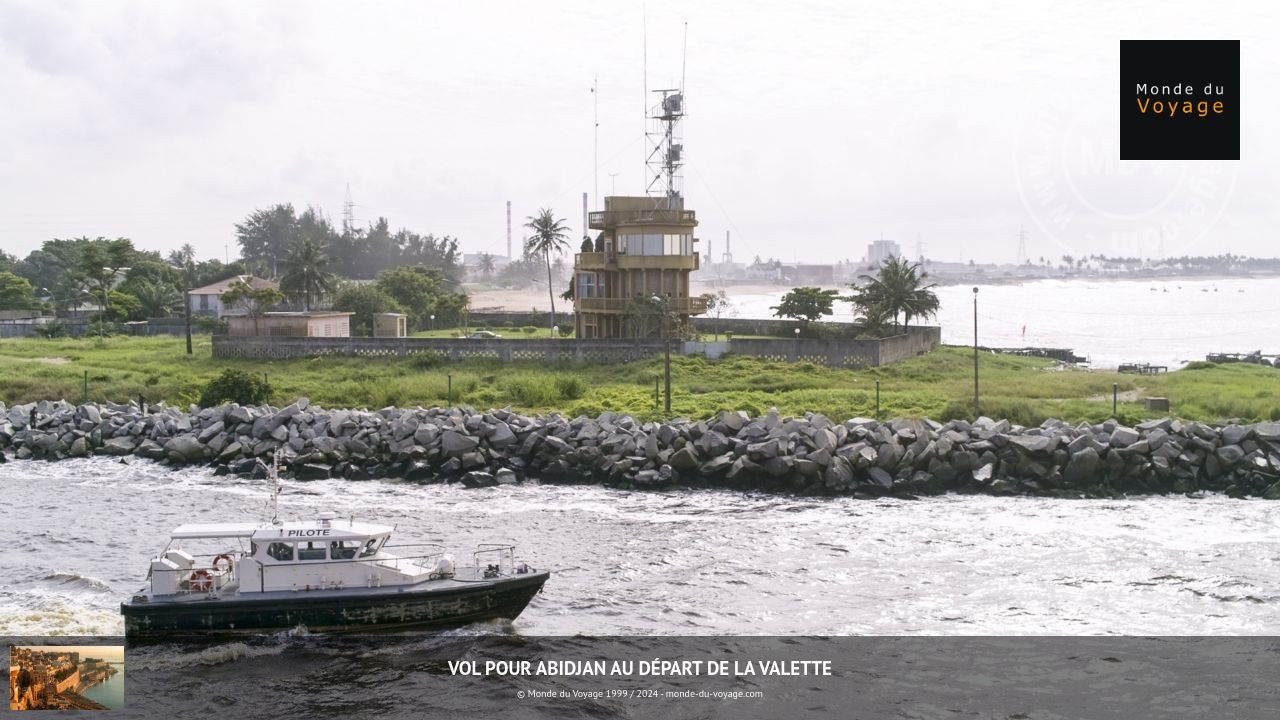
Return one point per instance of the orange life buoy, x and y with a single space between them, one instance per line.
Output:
220 558
201 581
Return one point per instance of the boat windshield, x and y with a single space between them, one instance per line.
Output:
343 549
372 546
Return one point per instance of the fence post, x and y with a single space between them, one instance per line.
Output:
84 397
450 377
1115 398
877 399
656 393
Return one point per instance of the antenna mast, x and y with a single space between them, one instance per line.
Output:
666 145
348 213
1022 246
595 96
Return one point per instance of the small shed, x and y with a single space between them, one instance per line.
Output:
292 324
393 325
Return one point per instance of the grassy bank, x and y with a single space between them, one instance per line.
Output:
937 385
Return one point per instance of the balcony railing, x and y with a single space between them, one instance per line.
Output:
680 306
601 219
619 261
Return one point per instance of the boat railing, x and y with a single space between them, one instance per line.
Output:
198 580
498 552
402 563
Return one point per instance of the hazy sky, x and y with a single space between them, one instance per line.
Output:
110 653
813 127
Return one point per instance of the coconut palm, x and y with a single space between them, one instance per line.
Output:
895 290
306 273
182 257
158 300
486 264
549 235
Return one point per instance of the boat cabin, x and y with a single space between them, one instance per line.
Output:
320 554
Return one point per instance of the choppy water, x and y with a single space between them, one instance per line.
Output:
78 534
1163 322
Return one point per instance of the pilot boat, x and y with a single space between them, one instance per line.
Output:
327 574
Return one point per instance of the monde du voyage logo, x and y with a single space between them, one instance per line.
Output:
1179 99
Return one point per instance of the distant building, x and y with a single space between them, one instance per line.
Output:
390 325
292 324
770 270
809 274
647 251
880 250
207 300
472 262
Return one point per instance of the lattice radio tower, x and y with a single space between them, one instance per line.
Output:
666 144
1022 246
348 213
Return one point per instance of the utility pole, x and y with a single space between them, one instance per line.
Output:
664 304
509 257
976 412
187 308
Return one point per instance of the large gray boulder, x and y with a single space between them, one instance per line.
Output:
454 443
184 448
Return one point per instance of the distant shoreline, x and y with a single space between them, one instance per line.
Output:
485 299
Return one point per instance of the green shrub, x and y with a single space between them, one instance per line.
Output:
531 389
50 330
101 328
236 386
528 330
570 387
1200 365
211 325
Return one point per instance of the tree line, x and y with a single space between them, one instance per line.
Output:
269 235
898 290
363 270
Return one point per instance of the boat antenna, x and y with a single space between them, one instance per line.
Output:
274 474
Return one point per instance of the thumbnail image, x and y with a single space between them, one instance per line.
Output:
66 677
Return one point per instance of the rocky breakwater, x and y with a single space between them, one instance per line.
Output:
809 454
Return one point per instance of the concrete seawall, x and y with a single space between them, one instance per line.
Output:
810 454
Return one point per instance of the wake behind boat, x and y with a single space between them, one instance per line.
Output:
327 574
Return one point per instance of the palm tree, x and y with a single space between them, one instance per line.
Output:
896 290
486 264
306 272
549 235
182 257
159 300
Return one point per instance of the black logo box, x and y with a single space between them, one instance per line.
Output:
1191 65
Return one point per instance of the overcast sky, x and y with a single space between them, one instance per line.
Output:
813 127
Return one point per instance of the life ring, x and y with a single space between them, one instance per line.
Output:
201 581
230 562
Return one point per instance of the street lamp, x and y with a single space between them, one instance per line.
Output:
796 350
976 413
666 353
433 323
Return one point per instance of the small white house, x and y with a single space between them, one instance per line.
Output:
207 300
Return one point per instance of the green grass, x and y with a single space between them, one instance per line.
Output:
937 385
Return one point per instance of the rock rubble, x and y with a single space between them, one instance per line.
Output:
810 454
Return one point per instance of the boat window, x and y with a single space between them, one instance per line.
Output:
371 547
311 552
280 551
343 549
